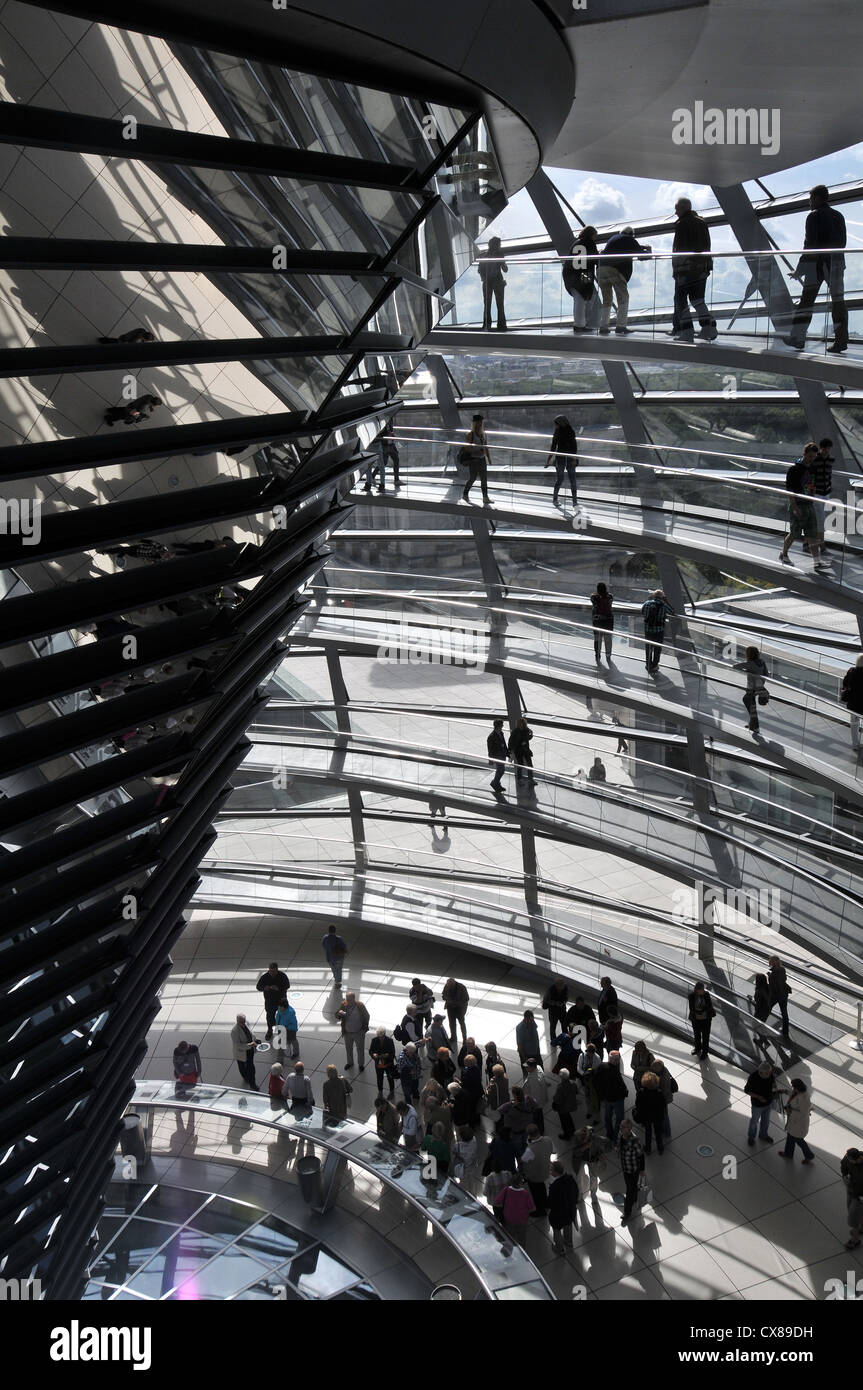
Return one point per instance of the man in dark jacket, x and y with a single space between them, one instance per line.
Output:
802 518
564 456
760 1088
607 998
655 613
490 268
456 999
519 747
562 1207
825 227
612 1091
852 695
274 985
497 752
615 272
579 1014
555 1001
651 1111
423 998
777 983
690 267
701 1011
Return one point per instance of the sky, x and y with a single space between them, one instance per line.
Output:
607 198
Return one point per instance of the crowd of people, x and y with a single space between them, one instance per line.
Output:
443 1095
598 282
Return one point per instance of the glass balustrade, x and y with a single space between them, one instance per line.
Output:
691 686
730 292
644 502
816 891
655 959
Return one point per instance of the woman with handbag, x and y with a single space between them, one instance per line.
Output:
797 1114
755 693
582 277
476 457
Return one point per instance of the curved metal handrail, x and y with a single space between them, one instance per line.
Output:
339 1137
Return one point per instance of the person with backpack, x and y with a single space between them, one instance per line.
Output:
602 605
655 613
802 515
579 279
410 1030
475 455
491 268
690 267
564 457
498 754
187 1066
614 275
701 1013
336 1094
755 693
422 998
286 1018
851 695
382 1051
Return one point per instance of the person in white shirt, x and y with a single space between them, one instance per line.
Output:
298 1087
409 1126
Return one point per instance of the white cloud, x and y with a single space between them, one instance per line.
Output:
600 203
667 195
